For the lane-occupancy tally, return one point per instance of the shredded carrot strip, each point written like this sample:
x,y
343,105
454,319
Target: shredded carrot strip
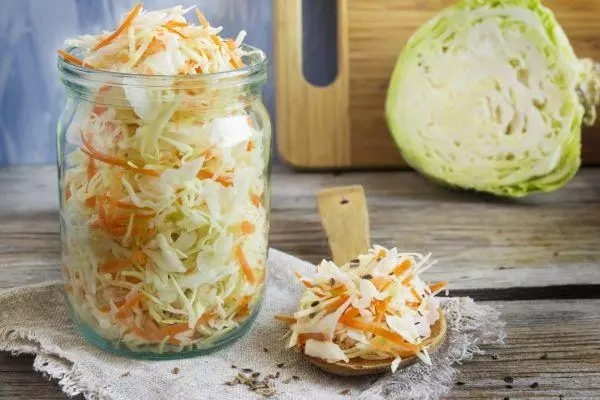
x,y
286,318
244,309
380,308
176,24
416,294
206,174
239,253
336,291
351,312
250,145
412,304
402,268
255,200
72,59
380,282
175,31
201,18
141,333
126,308
307,284
407,280
105,158
437,286
104,309
115,193
248,228
114,266
303,338
380,331
176,329
380,254
205,318
139,257
128,20
336,304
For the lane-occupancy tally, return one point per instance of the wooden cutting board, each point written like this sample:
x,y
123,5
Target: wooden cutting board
x,y
342,125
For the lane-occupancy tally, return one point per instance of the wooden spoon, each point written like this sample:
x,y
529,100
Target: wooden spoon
x,y
345,218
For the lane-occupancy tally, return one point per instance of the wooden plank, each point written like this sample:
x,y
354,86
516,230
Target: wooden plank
x,y
553,343
481,242
312,121
344,125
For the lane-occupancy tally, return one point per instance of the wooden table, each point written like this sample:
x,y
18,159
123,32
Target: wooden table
x,y
536,259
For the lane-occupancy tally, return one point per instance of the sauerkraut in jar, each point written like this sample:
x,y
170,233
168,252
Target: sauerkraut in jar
x,y
164,150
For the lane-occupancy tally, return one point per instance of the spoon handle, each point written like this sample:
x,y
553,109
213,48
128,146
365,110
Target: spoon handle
x,y
345,218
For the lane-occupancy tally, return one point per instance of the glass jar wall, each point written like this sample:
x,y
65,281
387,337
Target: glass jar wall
x,y
164,195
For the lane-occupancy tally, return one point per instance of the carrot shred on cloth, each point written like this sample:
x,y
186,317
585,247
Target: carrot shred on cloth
x,y
126,23
288,319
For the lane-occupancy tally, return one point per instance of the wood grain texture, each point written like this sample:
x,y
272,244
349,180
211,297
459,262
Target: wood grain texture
x,y
481,242
345,219
375,34
553,343
323,134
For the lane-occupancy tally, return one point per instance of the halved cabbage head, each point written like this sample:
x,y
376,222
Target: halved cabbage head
x,y
487,96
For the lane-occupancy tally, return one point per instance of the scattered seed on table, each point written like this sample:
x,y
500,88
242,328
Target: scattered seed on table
x,y
534,385
459,383
280,365
233,366
246,369
508,386
265,350
125,374
508,379
175,371
296,377
367,276
495,356
544,356
277,375
256,374
344,201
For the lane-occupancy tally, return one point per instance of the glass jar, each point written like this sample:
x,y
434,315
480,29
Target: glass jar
x,y
164,201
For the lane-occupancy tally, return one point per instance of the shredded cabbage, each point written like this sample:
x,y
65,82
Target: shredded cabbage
x,y
375,307
163,199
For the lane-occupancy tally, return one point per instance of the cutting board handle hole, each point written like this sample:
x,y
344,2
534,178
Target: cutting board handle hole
x,y
319,41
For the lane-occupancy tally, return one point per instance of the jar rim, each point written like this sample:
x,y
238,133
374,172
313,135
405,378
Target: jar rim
x,y
247,73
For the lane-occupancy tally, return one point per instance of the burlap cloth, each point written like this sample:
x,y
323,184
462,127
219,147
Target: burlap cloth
x,y
35,320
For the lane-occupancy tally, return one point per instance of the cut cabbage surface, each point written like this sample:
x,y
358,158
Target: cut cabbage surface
x,y
488,96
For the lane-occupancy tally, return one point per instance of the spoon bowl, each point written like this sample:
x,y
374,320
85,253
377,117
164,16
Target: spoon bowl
x,y
359,366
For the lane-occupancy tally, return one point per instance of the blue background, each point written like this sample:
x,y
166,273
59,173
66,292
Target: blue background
x,y
32,98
